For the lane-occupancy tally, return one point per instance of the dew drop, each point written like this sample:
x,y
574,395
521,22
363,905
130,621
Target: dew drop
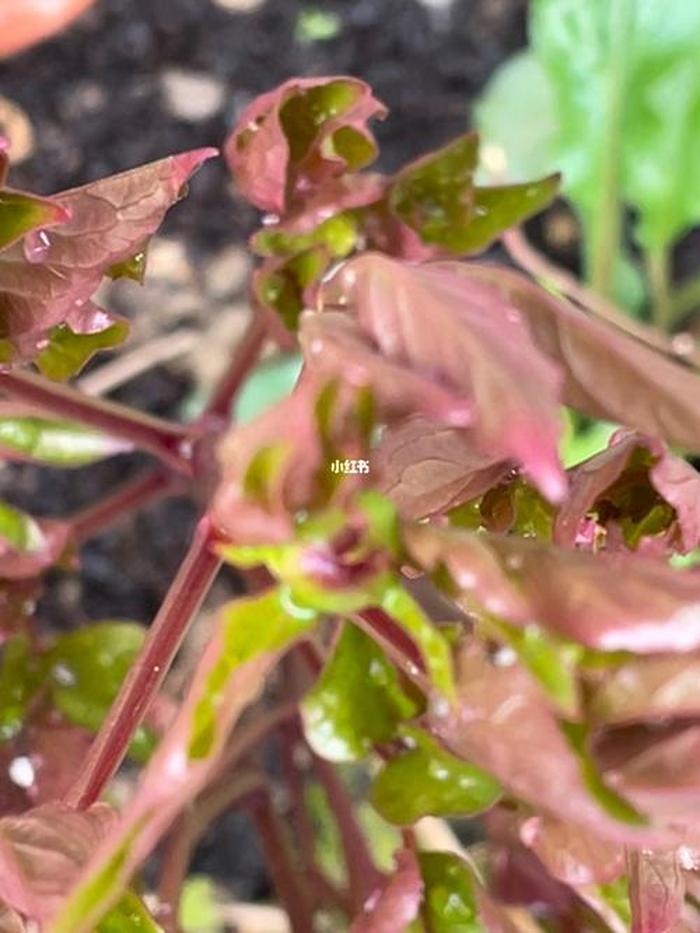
x,y
21,772
37,244
529,830
514,562
504,657
439,707
683,344
270,220
63,675
480,211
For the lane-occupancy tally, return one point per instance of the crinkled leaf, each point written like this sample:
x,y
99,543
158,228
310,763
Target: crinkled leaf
x,y
615,602
432,321
305,133
425,779
51,281
607,373
394,906
657,890
43,851
427,468
20,213
356,702
641,487
250,637
64,443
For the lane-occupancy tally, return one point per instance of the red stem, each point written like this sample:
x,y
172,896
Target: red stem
x,y
286,880
146,675
165,439
147,486
244,358
399,646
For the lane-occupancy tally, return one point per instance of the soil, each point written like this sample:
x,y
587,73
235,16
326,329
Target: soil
x,y
100,100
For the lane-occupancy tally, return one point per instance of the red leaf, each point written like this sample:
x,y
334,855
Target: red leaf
x,y
290,141
53,281
607,373
671,477
427,468
24,22
394,906
572,853
613,602
43,850
657,891
431,321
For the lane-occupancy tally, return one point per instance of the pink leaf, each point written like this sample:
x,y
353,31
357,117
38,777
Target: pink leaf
x,y
607,373
434,323
427,468
53,280
290,141
396,905
613,602
572,853
43,850
657,891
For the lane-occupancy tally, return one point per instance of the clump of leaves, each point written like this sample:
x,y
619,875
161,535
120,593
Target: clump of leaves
x,y
434,601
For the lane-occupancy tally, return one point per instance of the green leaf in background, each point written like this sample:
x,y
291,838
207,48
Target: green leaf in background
x,y
199,910
316,25
449,900
68,352
356,702
65,443
517,121
86,668
21,676
581,438
425,779
19,529
269,382
20,213
129,916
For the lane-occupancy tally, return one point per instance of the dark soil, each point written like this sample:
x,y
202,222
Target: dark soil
x,y
94,97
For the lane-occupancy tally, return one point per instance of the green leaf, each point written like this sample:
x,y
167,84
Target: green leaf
x,y
581,439
338,234
20,213
264,623
449,899
280,285
199,911
612,802
19,529
86,669
356,702
503,206
303,114
269,382
514,146
68,352
427,780
435,195
128,916
434,648
21,675
65,443
133,268
316,25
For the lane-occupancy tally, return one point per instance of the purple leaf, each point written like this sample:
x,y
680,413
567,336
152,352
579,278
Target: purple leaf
x,y
397,904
